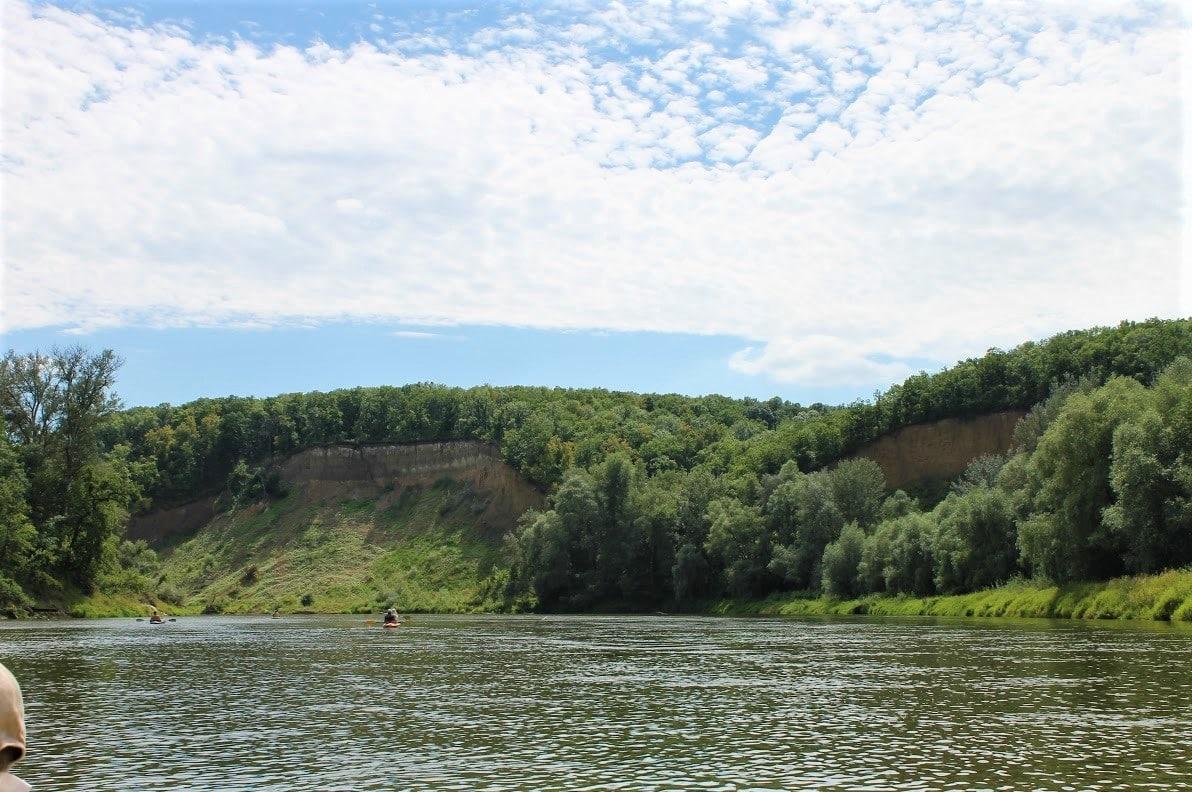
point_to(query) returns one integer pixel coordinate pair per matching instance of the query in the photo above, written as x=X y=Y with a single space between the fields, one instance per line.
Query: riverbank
x=1162 y=597
x=108 y=605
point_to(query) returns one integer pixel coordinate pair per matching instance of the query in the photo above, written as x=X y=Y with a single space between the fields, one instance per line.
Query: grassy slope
x=1167 y=597
x=421 y=550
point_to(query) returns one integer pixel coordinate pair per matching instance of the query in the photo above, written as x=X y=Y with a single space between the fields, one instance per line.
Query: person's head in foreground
x=12 y=731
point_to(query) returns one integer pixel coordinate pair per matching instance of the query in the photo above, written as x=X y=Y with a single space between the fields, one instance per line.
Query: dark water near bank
x=492 y=703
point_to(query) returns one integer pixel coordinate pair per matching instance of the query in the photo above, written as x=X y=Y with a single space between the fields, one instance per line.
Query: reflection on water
x=517 y=703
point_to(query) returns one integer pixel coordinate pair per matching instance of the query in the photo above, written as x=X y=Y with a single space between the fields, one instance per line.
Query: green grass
x=68 y=599
x=1162 y=597
x=420 y=550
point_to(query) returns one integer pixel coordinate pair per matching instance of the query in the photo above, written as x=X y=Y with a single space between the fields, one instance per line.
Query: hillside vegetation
x=338 y=550
x=653 y=499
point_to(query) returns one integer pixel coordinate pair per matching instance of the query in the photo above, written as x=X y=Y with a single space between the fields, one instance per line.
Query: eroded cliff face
x=382 y=464
x=941 y=449
x=397 y=467
x=166 y=526
x=327 y=473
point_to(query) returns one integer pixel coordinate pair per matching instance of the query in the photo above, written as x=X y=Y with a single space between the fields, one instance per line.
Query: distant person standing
x=12 y=731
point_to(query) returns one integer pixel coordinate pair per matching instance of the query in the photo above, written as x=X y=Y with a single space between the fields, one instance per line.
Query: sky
x=811 y=200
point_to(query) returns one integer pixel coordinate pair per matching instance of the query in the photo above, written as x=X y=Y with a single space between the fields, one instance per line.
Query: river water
x=520 y=703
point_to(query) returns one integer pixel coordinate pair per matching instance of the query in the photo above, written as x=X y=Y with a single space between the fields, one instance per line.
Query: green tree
x=898 y=504
x=1068 y=486
x=803 y=518
x=842 y=562
x=858 y=489
x=610 y=525
x=17 y=534
x=690 y=573
x=898 y=557
x=651 y=554
x=739 y=541
x=78 y=497
x=975 y=542
x=981 y=472
x=542 y=559
x=98 y=499
x=1151 y=477
x=578 y=512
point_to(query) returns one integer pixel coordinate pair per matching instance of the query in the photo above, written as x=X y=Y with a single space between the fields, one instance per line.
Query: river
x=602 y=702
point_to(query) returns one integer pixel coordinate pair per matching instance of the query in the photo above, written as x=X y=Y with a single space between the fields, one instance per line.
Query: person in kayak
x=12 y=731
x=155 y=617
x=391 y=616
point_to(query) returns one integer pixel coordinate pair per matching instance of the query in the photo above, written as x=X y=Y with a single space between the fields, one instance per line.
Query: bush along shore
x=1162 y=597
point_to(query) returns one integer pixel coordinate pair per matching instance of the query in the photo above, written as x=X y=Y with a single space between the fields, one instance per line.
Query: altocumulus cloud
x=844 y=186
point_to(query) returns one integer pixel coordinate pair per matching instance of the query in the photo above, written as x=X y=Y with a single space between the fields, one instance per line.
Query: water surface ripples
x=642 y=703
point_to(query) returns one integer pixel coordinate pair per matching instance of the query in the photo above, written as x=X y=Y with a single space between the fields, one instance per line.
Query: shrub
x=275 y=485
x=214 y=605
x=170 y=594
x=12 y=596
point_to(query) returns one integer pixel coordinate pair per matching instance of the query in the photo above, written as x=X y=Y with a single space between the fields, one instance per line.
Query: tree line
x=654 y=496
x=64 y=497
x=1099 y=485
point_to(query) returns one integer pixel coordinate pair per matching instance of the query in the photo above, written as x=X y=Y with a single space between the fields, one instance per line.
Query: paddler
x=12 y=731
x=154 y=617
x=391 y=616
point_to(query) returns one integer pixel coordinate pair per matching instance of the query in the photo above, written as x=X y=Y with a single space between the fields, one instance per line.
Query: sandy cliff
x=363 y=470
x=941 y=449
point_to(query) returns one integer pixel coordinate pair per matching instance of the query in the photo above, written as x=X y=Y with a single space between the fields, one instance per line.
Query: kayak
x=391 y=625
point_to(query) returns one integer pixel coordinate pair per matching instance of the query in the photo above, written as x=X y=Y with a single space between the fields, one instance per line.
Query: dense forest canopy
x=544 y=431
x=1099 y=484
x=657 y=497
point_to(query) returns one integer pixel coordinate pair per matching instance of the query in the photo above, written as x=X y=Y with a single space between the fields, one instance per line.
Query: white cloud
x=818 y=357
x=420 y=335
x=969 y=191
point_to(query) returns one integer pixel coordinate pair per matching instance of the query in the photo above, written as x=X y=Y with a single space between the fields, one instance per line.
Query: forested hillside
x=653 y=498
